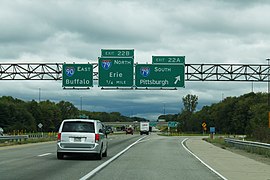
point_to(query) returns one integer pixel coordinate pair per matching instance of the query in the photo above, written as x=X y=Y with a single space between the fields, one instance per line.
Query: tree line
x=16 y=114
x=246 y=114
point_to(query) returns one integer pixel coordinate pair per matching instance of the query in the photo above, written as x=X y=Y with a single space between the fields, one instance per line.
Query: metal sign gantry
x=193 y=72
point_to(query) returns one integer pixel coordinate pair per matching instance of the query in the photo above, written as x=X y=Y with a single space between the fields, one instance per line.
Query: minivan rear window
x=78 y=126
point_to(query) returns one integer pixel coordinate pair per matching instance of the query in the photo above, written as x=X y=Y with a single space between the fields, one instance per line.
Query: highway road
x=38 y=161
x=154 y=157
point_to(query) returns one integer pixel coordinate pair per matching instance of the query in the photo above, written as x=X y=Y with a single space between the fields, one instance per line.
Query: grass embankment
x=219 y=141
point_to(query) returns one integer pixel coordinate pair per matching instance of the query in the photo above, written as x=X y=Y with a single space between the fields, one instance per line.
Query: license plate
x=77 y=139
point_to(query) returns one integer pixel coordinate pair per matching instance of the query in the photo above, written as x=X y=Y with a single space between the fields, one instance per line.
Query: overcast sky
x=207 y=31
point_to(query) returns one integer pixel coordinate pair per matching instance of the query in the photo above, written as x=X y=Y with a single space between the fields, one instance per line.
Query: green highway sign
x=77 y=75
x=83 y=116
x=153 y=123
x=117 y=52
x=159 y=75
x=115 y=72
x=168 y=59
x=172 y=124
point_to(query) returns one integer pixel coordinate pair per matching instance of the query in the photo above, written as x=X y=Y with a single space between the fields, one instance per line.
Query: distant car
x=1 y=131
x=82 y=136
x=129 y=130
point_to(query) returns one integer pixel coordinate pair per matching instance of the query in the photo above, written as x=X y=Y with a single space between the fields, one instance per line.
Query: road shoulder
x=227 y=163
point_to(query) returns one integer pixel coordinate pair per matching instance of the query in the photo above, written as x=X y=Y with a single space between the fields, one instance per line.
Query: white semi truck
x=144 y=128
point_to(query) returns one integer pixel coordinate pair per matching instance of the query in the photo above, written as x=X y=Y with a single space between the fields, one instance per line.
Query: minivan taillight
x=97 y=137
x=59 y=137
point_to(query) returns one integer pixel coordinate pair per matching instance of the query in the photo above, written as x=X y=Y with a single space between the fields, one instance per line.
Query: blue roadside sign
x=212 y=129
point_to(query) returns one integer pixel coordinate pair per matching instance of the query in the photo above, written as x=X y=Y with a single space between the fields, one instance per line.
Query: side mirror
x=101 y=131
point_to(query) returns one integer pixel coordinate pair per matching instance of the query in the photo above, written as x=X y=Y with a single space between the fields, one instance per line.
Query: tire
x=99 y=155
x=60 y=155
x=105 y=154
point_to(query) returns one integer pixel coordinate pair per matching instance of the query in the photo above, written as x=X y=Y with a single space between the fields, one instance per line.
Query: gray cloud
x=75 y=31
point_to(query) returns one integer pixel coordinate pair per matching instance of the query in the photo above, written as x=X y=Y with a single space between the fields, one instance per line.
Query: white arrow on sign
x=177 y=78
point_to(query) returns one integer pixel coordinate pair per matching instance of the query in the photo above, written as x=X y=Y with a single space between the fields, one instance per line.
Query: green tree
x=68 y=110
x=14 y=115
x=190 y=103
x=50 y=116
x=185 y=117
x=34 y=108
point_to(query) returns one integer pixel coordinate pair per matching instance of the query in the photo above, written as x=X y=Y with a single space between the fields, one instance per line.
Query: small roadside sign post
x=40 y=127
x=212 y=132
x=204 y=125
x=172 y=124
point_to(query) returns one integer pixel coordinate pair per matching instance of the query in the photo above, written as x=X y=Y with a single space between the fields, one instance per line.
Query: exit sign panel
x=151 y=75
x=115 y=72
x=117 y=52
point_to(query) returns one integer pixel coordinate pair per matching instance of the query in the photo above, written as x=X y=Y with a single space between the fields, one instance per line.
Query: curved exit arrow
x=177 y=78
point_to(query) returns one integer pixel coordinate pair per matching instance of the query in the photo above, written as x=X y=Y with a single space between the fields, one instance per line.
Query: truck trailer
x=144 y=128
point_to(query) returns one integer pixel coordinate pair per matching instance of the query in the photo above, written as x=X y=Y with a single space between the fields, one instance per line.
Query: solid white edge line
x=144 y=140
x=97 y=169
x=46 y=154
x=214 y=171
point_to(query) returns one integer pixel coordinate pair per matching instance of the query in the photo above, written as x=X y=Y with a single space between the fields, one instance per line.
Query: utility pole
x=39 y=94
x=81 y=104
x=164 y=112
x=268 y=98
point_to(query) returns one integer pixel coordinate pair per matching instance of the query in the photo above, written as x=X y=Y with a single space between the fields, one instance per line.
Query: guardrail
x=12 y=138
x=247 y=143
x=33 y=136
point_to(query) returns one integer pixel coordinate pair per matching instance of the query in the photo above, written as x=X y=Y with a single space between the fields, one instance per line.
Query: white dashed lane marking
x=46 y=154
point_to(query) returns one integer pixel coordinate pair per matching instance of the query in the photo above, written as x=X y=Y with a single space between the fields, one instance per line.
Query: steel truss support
x=193 y=72
x=226 y=72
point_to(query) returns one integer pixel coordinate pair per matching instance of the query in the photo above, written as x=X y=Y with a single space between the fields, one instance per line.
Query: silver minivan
x=81 y=136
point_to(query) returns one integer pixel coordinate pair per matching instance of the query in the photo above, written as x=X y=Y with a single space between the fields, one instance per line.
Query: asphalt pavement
x=156 y=157
x=38 y=161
